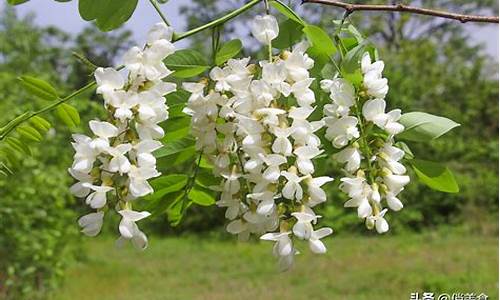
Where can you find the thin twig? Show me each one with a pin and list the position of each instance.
(350, 8)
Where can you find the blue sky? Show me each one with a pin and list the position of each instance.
(65, 16)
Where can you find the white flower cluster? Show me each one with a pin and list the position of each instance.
(368, 152)
(118, 161)
(257, 133)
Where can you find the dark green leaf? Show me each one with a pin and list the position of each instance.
(290, 32)
(115, 13)
(39, 88)
(174, 147)
(176, 129)
(109, 14)
(186, 63)
(228, 51)
(175, 209)
(435, 175)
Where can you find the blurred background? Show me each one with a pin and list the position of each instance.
(438, 243)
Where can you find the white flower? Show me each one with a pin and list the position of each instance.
(160, 31)
(85, 154)
(143, 151)
(360, 192)
(298, 63)
(139, 176)
(391, 156)
(269, 116)
(232, 204)
(375, 85)
(91, 223)
(119, 163)
(351, 156)
(305, 154)
(341, 131)
(342, 93)
(374, 111)
(77, 189)
(282, 144)
(273, 161)
(292, 189)
(396, 182)
(283, 248)
(316, 193)
(275, 75)
(302, 92)
(378, 221)
(303, 229)
(266, 202)
(149, 63)
(97, 198)
(393, 202)
(129, 229)
(108, 80)
(315, 243)
(104, 132)
(265, 28)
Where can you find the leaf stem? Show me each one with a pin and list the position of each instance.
(216, 22)
(4, 131)
(158, 10)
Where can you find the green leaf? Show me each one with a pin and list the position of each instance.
(322, 46)
(39, 88)
(186, 63)
(109, 14)
(201, 196)
(88, 9)
(29, 133)
(228, 51)
(290, 32)
(175, 209)
(166, 185)
(435, 176)
(176, 128)
(287, 11)
(18, 145)
(424, 127)
(16, 2)
(176, 159)
(115, 13)
(174, 147)
(40, 123)
(68, 114)
(351, 61)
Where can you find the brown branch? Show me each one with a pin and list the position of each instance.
(350, 8)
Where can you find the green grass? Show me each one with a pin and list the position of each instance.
(388, 267)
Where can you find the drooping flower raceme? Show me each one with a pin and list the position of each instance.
(113, 165)
(359, 126)
(257, 133)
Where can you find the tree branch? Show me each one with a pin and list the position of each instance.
(350, 8)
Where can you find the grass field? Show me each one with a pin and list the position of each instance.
(389, 267)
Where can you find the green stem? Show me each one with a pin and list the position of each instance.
(217, 22)
(157, 7)
(26, 116)
(190, 183)
(365, 149)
